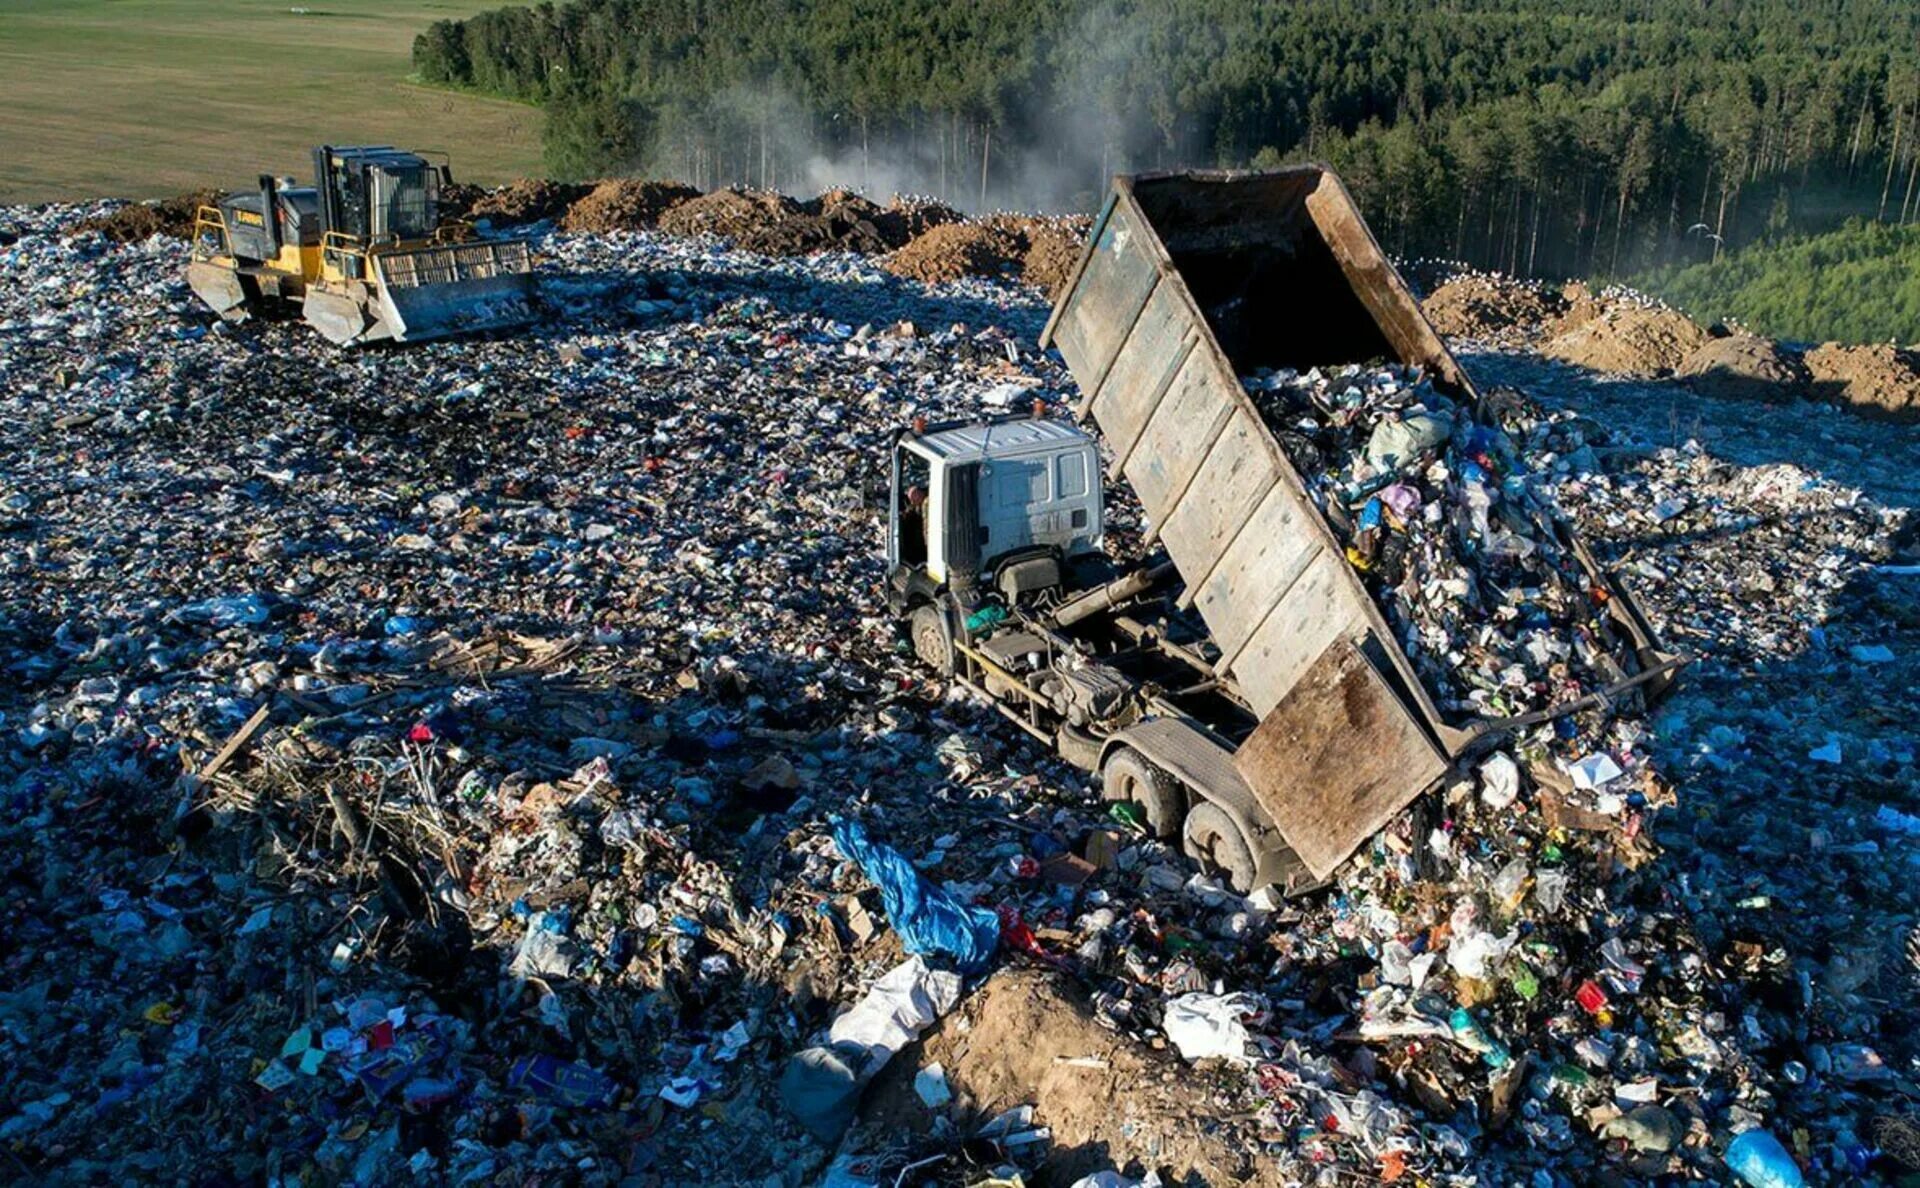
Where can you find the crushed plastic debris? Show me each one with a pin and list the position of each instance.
(570, 643)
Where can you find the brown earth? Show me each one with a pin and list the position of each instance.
(1490, 306)
(142, 220)
(953, 250)
(457, 199)
(1630, 339)
(1743, 365)
(1052, 253)
(730, 213)
(527, 201)
(1878, 381)
(1024, 1038)
(626, 204)
(1579, 306)
(916, 216)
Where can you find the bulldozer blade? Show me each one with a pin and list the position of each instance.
(220, 287)
(454, 289)
(343, 320)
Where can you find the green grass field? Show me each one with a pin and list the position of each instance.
(144, 98)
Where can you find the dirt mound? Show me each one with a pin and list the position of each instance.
(1629, 338)
(1491, 306)
(626, 204)
(862, 225)
(953, 250)
(527, 201)
(1052, 252)
(730, 214)
(142, 220)
(916, 216)
(1881, 381)
(457, 199)
(775, 225)
(1743, 365)
(1109, 1101)
(1580, 306)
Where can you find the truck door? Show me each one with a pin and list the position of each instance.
(964, 529)
(1018, 508)
(907, 509)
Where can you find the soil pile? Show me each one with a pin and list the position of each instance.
(1490, 306)
(858, 224)
(1050, 247)
(457, 200)
(953, 250)
(1027, 1038)
(1052, 253)
(1635, 339)
(915, 216)
(1579, 306)
(731, 213)
(1880, 381)
(137, 221)
(626, 204)
(1743, 365)
(528, 200)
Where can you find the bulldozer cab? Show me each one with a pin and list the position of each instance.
(377, 194)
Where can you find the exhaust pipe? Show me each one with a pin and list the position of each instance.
(270, 212)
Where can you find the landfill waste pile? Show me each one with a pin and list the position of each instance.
(493, 760)
(1453, 536)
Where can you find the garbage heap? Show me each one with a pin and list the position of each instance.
(1524, 975)
(424, 766)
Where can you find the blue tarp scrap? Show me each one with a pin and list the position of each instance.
(930, 921)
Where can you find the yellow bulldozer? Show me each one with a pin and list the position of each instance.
(361, 252)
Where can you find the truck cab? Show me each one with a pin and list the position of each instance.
(1009, 502)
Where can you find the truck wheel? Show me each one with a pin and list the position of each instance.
(1077, 747)
(930, 639)
(1129, 778)
(1214, 841)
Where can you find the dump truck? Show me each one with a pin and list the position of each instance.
(1243, 692)
(361, 253)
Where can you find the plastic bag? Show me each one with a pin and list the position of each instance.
(930, 921)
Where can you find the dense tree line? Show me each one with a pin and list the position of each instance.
(1860, 283)
(1539, 136)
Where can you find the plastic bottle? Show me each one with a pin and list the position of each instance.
(1759, 1159)
(1468, 1033)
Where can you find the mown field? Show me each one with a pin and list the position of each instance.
(142, 98)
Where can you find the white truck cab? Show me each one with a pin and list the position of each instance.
(1009, 500)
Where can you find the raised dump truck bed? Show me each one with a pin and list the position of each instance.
(1189, 281)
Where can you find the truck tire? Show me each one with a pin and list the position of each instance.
(1128, 777)
(1077, 747)
(1213, 840)
(931, 640)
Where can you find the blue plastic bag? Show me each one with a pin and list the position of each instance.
(1759, 1159)
(930, 921)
